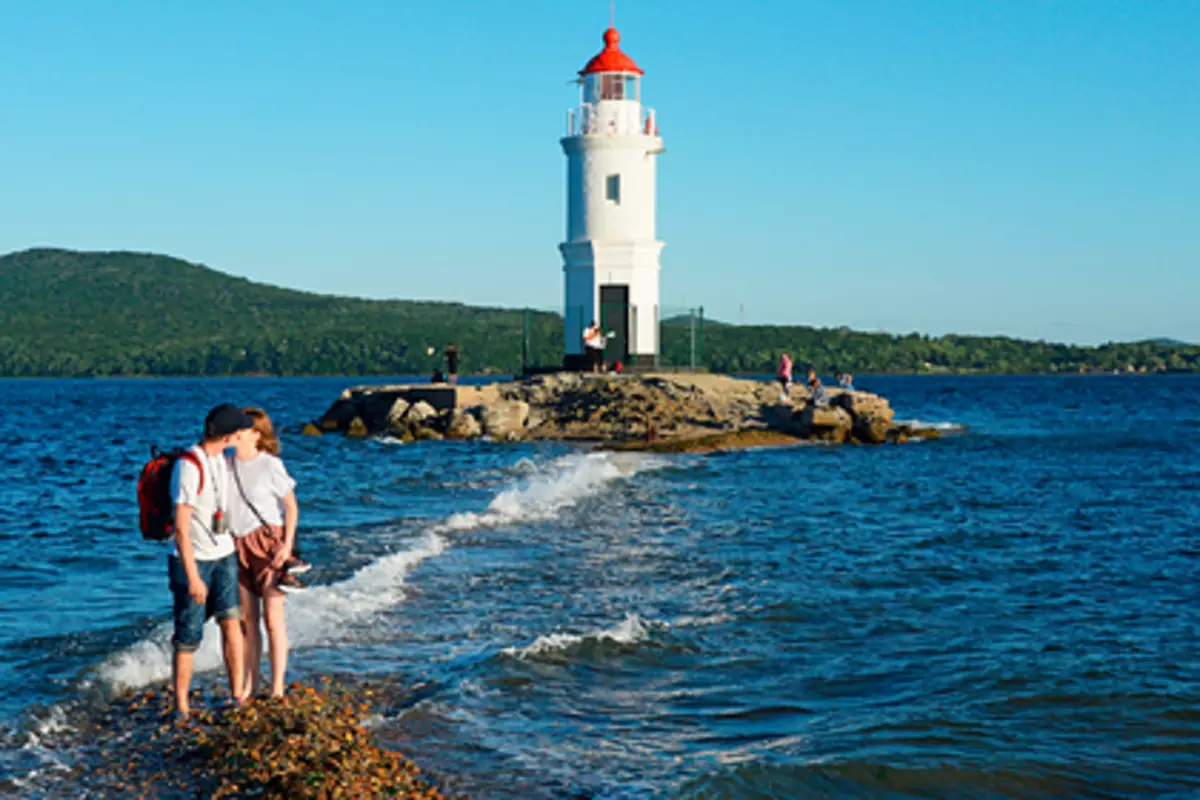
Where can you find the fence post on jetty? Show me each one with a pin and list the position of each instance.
(692, 339)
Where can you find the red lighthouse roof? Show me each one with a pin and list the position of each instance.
(611, 59)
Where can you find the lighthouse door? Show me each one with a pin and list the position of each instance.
(614, 322)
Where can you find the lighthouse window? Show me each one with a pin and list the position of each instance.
(612, 189)
(613, 87)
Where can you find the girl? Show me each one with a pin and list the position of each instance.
(263, 515)
(785, 378)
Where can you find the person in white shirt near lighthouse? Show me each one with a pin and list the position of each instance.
(611, 253)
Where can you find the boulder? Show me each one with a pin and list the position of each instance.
(864, 404)
(420, 413)
(872, 430)
(396, 414)
(871, 414)
(827, 424)
(785, 418)
(505, 419)
(423, 434)
(462, 425)
(311, 430)
(357, 427)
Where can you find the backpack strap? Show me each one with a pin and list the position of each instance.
(188, 455)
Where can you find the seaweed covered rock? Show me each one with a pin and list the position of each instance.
(308, 744)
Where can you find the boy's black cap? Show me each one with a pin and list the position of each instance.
(224, 420)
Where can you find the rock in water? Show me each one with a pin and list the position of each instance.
(505, 419)
(397, 412)
(871, 415)
(830, 424)
(421, 412)
(311, 430)
(569, 406)
(463, 425)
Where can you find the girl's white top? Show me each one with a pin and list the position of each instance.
(266, 482)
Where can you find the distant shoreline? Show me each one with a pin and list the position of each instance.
(122, 314)
(492, 377)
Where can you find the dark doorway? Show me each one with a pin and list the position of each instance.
(614, 319)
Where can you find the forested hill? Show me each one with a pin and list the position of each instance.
(66, 313)
(70, 313)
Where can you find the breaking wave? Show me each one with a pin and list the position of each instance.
(631, 630)
(320, 615)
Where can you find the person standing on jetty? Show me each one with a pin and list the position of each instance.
(593, 347)
(203, 570)
(785, 377)
(263, 516)
(451, 363)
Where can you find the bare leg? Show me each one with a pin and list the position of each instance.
(181, 675)
(235, 656)
(277, 639)
(253, 659)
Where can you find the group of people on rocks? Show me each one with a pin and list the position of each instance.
(818, 396)
(235, 558)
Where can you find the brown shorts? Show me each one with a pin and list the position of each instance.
(256, 550)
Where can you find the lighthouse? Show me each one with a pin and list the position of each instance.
(611, 253)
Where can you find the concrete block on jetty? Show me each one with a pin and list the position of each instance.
(667, 412)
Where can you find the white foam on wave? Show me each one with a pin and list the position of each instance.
(631, 630)
(319, 616)
(552, 488)
(920, 424)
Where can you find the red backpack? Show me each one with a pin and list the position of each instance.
(156, 507)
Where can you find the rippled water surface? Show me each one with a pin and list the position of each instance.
(1008, 612)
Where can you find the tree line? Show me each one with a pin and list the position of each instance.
(65, 313)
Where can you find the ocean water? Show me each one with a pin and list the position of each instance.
(1010, 611)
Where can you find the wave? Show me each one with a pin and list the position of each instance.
(944, 427)
(552, 488)
(631, 630)
(320, 616)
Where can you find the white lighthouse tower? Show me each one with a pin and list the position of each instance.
(611, 255)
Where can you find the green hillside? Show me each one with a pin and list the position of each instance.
(65, 313)
(68, 313)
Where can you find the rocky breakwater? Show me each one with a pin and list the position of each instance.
(671, 413)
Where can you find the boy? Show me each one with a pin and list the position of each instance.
(203, 570)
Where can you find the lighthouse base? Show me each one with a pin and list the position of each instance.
(635, 362)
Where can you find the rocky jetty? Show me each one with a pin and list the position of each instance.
(669, 412)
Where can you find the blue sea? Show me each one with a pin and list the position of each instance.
(1010, 611)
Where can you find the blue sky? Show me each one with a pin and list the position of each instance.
(1025, 168)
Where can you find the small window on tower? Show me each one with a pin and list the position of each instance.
(613, 88)
(612, 189)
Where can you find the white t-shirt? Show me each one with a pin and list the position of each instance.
(594, 339)
(266, 482)
(185, 490)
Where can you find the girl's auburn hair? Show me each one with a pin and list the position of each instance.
(268, 441)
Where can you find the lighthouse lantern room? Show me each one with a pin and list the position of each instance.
(611, 255)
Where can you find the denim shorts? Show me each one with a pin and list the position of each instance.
(221, 578)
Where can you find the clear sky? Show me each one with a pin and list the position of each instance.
(1025, 168)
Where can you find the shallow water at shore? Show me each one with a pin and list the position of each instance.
(1009, 612)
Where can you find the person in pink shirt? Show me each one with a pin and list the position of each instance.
(785, 376)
